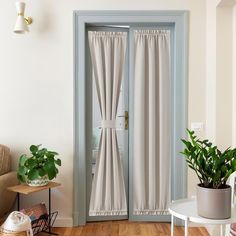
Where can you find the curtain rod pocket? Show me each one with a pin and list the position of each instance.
(152, 32)
(107, 33)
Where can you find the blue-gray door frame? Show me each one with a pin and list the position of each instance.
(179, 113)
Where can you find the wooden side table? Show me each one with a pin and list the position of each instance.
(25, 189)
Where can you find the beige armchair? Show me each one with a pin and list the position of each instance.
(7, 178)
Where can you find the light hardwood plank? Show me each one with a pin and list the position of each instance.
(126, 228)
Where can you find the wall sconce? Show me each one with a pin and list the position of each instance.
(22, 22)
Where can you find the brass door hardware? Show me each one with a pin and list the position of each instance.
(126, 116)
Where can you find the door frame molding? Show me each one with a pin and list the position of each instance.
(135, 18)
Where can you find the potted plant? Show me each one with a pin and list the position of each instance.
(38, 168)
(213, 169)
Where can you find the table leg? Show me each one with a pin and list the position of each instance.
(49, 210)
(18, 201)
(172, 225)
(221, 230)
(227, 229)
(186, 228)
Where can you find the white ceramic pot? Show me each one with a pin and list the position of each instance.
(41, 181)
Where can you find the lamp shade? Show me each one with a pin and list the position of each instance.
(21, 26)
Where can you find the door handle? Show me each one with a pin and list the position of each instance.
(126, 116)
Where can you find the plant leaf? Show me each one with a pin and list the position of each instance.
(33, 174)
(21, 178)
(22, 170)
(34, 148)
(23, 159)
(52, 174)
(42, 172)
(58, 162)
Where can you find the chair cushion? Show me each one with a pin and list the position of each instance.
(5, 160)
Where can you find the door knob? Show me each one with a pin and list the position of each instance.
(126, 116)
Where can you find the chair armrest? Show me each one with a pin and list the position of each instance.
(7, 197)
(5, 159)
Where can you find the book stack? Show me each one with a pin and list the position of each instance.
(36, 212)
(38, 215)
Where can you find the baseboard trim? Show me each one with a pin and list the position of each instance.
(63, 222)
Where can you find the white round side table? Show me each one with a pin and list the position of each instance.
(186, 209)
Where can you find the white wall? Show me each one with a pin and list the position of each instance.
(36, 79)
(220, 76)
(234, 80)
(224, 71)
(211, 69)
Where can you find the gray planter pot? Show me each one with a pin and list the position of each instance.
(214, 203)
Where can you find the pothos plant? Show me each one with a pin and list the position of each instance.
(212, 166)
(41, 162)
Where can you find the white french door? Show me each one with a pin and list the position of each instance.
(94, 126)
(124, 124)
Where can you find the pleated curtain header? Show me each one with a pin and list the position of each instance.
(106, 34)
(152, 32)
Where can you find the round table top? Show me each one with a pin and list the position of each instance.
(186, 209)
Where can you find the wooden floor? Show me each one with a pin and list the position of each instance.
(125, 228)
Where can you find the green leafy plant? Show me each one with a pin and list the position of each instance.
(212, 166)
(41, 162)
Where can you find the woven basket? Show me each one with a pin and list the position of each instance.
(4, 232)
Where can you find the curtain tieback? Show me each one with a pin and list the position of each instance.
(108, 124)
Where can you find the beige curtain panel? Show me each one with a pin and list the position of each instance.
(108, 195)
(152, 166)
